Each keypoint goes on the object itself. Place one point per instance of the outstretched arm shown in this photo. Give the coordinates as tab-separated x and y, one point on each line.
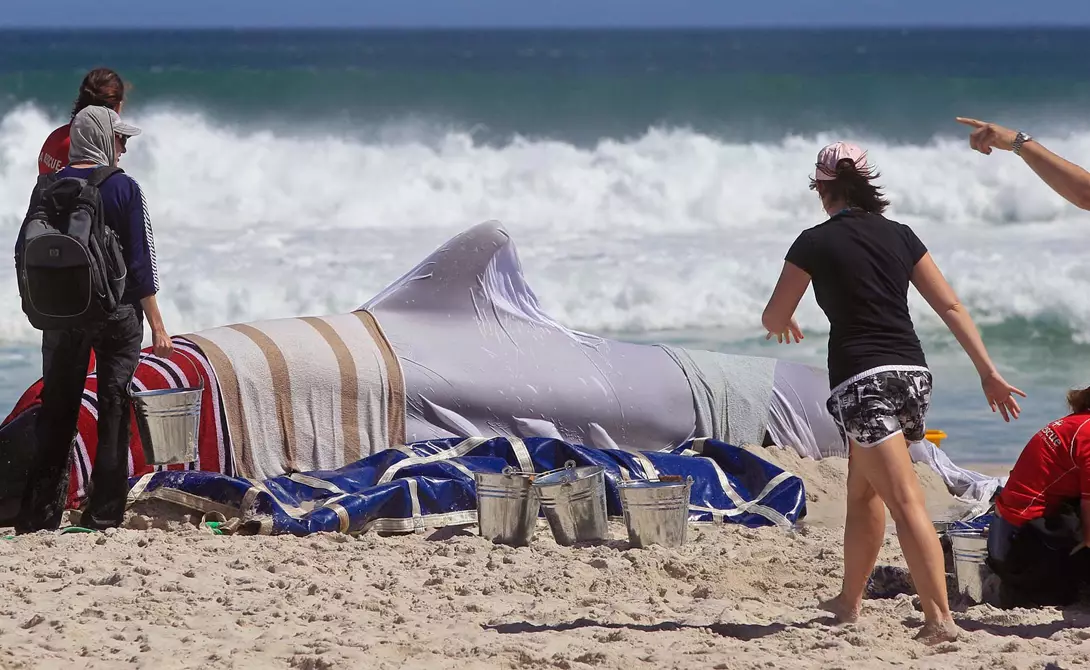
931	284
779	314
1069	180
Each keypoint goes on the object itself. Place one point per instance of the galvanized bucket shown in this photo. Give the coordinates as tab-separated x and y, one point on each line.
574	502
656	511
169	424
970	549
507	506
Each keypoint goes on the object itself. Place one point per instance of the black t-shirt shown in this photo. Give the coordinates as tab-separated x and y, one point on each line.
861	265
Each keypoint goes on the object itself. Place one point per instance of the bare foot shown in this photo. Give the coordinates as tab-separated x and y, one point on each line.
936	632
841	612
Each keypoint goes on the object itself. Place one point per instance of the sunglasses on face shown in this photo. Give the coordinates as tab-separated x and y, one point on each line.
122	140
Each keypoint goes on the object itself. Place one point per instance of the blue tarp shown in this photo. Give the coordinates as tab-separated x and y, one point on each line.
430	484
977	523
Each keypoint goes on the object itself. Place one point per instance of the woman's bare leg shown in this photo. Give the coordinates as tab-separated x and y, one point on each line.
888	468
864	531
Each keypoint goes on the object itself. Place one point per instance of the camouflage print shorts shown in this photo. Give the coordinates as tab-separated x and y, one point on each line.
877	404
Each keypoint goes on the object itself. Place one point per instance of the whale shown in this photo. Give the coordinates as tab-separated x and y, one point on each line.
458	346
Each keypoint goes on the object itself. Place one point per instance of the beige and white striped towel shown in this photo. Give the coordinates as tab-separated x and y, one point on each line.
307	393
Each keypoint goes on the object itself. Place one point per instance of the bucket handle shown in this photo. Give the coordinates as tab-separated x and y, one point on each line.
199	387
512	471
568	470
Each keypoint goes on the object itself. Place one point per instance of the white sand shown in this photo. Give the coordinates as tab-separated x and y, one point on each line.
731	598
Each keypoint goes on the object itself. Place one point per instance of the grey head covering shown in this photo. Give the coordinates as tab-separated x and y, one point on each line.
92	136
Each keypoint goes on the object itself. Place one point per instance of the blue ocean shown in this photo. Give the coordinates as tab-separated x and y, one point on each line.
651	180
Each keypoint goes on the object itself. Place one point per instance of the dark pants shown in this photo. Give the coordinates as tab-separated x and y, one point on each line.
1034	561
50	338
116	342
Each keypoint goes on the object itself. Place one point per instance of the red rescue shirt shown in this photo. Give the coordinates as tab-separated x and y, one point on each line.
1054	467
54	154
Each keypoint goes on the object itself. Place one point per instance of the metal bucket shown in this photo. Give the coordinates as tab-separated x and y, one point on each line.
169	424
970	549
574	502
656	511
507	506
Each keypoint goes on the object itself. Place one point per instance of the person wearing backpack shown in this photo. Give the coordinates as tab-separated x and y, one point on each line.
100	86
85	261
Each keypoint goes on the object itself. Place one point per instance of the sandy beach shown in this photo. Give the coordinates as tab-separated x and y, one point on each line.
733	597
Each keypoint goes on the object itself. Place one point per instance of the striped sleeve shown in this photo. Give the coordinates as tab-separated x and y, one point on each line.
149	238
139	246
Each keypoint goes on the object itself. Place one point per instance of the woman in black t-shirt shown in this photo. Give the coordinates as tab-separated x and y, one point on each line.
861	265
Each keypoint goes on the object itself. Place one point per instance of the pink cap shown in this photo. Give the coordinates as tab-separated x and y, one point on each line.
829	156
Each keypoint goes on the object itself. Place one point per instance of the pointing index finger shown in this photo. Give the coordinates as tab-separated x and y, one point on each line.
970	122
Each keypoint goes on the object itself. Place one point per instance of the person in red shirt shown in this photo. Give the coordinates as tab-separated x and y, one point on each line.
1052	470
102	86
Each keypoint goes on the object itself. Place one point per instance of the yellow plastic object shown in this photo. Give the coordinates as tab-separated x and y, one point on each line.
936	437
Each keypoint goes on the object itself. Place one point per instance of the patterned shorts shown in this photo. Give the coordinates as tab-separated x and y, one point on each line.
877	404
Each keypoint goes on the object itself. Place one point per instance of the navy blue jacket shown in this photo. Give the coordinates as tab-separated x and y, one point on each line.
126	211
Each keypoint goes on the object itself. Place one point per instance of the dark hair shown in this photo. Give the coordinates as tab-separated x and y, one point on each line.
102	86
1079	400
854	187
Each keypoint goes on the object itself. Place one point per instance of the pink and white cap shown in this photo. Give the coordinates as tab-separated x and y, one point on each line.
832	154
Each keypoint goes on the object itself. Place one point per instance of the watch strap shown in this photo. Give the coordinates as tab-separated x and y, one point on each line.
1019	139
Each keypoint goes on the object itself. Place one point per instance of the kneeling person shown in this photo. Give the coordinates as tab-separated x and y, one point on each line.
1042	519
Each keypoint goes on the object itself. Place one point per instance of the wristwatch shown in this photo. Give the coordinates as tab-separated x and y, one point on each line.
1019	139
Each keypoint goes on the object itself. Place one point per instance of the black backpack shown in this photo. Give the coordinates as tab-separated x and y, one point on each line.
70	268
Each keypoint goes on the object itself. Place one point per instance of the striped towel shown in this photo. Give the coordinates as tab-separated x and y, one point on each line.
309	393
279	396
186	368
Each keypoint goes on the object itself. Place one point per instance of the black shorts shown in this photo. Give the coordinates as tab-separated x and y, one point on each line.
877	404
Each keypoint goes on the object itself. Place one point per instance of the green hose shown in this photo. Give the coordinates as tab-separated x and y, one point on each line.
76	529
215	526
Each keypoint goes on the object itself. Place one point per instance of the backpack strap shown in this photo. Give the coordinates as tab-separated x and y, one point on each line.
45	182
101	174
47	179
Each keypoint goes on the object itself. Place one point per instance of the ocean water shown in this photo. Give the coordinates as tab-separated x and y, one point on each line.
652	180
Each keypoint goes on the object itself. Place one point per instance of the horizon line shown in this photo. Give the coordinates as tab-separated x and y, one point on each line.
557	27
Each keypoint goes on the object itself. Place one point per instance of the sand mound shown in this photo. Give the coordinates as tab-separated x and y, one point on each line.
825	485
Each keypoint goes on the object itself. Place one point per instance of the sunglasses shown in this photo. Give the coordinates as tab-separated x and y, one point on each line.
122	140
